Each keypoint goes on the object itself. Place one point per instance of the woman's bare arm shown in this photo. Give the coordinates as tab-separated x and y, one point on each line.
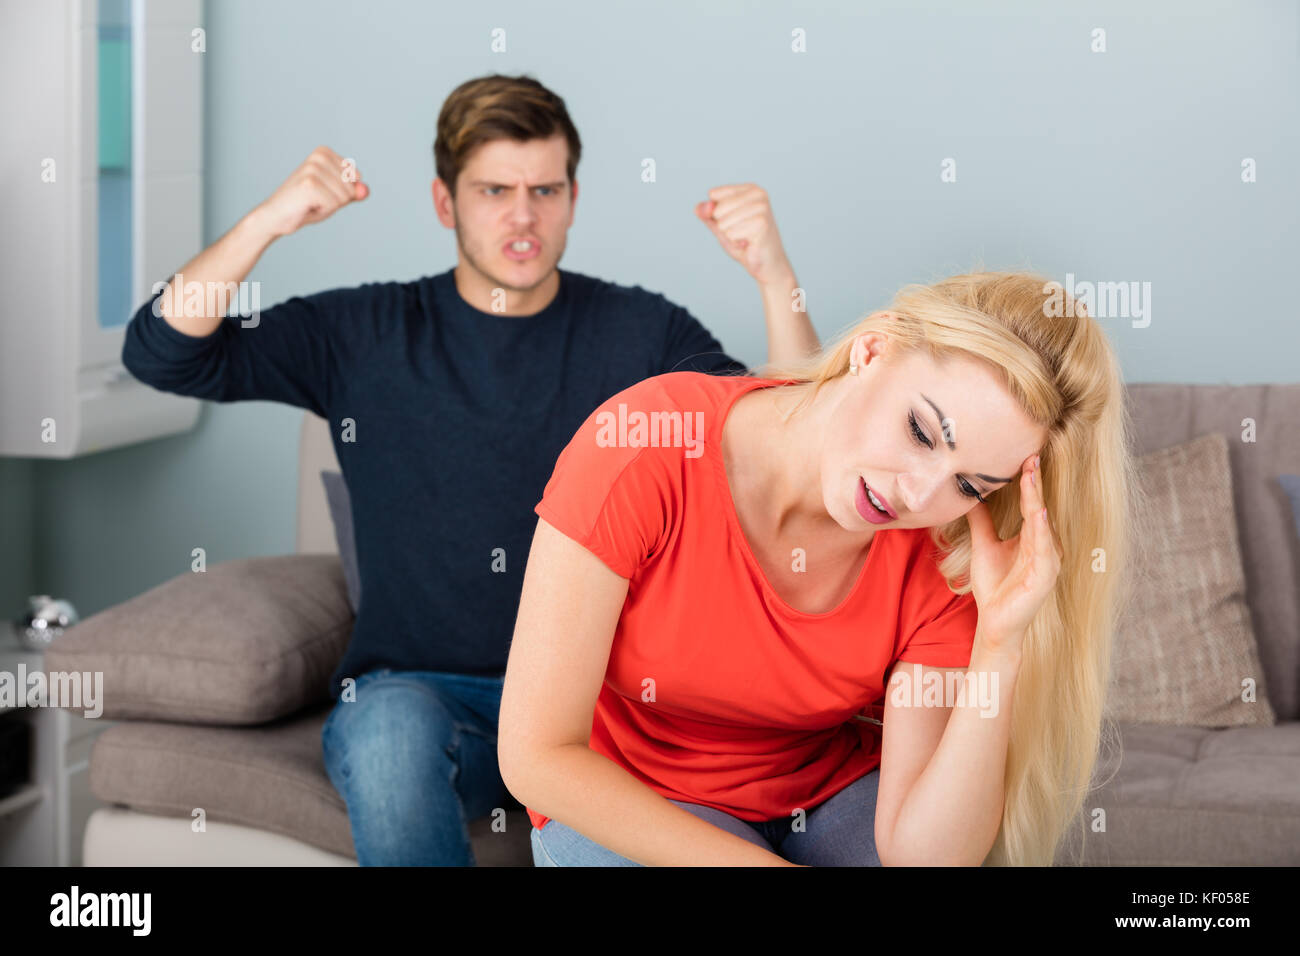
941	767
568	609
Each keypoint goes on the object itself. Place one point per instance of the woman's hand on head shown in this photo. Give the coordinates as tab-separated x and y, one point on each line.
1011	579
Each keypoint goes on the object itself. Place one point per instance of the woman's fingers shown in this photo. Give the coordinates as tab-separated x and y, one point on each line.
1037	521
1030	525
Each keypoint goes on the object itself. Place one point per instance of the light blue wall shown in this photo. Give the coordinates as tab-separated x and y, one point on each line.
17	535
1115	166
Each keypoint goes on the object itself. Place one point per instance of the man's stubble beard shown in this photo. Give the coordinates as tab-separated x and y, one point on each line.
474	262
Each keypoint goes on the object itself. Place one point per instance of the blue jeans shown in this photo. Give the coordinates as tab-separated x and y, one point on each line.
840	831
415	759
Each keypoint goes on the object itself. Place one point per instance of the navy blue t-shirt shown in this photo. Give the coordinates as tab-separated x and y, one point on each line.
459	416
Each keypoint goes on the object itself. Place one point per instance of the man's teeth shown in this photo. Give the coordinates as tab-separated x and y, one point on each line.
522	245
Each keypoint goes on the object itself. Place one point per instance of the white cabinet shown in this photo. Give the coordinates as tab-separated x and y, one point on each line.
100	197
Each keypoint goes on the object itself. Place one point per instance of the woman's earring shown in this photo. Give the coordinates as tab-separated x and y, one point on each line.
853	369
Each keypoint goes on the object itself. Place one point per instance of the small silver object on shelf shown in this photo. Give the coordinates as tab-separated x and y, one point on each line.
45	620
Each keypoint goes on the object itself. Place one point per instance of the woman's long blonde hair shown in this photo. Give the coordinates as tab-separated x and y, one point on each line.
1057	363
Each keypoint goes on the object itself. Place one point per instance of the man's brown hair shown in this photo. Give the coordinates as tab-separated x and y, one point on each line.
499	107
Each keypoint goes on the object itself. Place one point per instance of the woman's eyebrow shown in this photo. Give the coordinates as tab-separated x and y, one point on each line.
952	445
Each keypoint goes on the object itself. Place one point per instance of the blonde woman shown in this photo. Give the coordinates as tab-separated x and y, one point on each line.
855	613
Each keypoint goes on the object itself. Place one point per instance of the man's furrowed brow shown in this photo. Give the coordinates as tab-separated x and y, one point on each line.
559	184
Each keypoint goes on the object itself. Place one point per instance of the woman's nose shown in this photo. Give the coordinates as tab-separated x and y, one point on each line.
917	492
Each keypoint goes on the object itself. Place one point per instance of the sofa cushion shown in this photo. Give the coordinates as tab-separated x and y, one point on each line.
120	836
271	777
1262	426
1189	796
243	642
1185	644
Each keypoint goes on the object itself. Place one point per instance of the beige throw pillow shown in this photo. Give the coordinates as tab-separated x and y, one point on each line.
244	642
1185	647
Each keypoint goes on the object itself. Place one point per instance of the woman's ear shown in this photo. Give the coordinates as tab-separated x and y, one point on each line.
867	346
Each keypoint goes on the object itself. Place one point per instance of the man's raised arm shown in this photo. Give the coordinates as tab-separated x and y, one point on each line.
740	216
181	340
315	190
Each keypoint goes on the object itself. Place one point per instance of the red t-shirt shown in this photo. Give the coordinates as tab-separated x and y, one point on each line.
718	692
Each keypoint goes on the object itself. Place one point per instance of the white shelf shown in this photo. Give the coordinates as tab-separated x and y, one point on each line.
32	793
42	823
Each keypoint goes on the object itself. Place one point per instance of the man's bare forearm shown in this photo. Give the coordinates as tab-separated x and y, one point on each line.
591	794
952	813
228	261
791	337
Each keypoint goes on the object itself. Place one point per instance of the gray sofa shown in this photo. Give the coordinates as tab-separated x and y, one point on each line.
1175	795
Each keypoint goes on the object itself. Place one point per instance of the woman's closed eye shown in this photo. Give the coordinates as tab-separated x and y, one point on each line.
920	439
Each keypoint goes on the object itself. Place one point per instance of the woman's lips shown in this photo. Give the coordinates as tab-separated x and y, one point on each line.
882	499
867	509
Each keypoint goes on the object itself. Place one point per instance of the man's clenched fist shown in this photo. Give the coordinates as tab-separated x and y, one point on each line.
324	183
740	216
